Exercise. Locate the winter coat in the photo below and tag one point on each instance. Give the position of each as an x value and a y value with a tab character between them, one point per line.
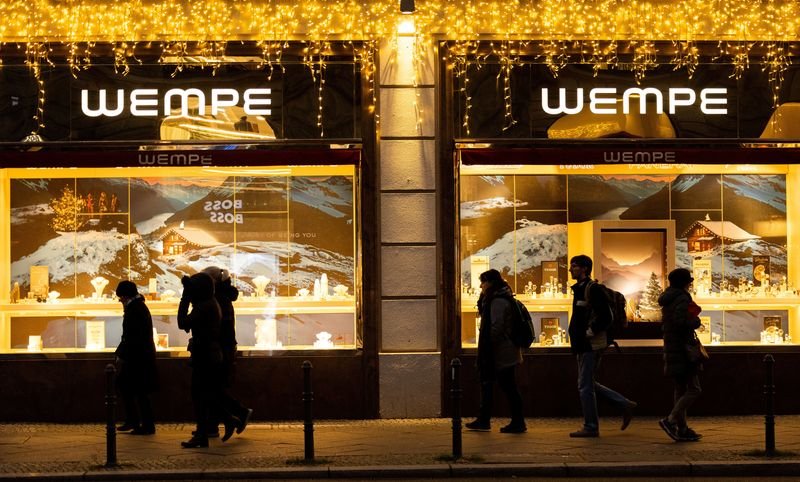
583	317
203	321
678	327
136	350
495	348
226	294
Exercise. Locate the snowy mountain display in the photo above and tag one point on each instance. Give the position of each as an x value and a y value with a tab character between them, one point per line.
292	234
535	242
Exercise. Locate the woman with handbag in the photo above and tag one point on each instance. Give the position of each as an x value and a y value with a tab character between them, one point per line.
679	317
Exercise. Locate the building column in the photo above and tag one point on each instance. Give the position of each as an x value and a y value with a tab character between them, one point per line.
410	366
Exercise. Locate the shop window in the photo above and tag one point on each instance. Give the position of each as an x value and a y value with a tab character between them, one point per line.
286	235
731	230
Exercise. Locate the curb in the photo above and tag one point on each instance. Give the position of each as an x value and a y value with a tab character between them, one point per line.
606	469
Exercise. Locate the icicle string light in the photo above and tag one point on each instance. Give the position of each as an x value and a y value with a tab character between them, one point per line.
599	28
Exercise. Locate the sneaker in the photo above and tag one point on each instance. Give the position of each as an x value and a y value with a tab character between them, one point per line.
688	435
627	415
243	420
126	427
584	433
670	428
478	426
514	428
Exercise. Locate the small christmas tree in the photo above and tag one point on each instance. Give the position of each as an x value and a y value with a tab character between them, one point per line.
66	209
649	301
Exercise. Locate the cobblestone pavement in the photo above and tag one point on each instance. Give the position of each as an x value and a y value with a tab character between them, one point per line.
53	448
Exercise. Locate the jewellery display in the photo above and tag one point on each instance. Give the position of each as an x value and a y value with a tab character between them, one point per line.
99	283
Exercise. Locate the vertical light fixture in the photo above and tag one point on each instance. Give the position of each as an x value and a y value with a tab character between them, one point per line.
407	7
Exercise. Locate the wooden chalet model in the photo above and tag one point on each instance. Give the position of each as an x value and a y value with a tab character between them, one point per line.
179	240
705	235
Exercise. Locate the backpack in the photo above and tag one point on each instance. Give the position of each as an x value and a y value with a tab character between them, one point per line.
522	333
616	304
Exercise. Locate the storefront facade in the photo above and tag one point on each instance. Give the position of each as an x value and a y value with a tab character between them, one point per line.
355	188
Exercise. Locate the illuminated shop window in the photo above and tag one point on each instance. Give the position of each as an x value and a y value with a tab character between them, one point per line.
731	230
286	235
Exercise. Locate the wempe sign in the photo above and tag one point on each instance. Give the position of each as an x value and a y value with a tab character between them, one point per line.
151	102
605	100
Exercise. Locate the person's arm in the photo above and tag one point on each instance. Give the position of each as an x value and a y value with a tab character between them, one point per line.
184	317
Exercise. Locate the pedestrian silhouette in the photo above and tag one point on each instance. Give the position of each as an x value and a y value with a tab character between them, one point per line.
225	294
591	317
136	360
498	357
203	321
679	319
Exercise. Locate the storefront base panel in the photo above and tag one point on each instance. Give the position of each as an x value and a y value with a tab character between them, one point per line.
73	390
732	383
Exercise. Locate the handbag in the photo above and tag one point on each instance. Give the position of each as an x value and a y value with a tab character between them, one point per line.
696	352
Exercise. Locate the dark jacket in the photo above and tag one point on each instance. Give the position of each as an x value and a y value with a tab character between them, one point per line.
495	348
203	321
136	350
583	316
226	294
678	329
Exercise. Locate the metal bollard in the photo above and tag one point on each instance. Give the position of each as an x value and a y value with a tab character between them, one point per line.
455	393
769	399
308	423
111	429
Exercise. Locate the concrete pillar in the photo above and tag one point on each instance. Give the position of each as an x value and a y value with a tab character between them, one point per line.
409	327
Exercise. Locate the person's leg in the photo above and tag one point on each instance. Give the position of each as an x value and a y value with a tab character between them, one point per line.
131	412
146	410
687	390
486	401
609	394
200	402
586	391
508	383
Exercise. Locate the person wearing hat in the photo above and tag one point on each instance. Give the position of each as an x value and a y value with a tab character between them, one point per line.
137	377
679	319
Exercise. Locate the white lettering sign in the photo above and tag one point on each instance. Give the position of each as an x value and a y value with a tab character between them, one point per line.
603	100
146	102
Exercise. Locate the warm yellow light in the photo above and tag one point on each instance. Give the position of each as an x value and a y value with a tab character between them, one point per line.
406	25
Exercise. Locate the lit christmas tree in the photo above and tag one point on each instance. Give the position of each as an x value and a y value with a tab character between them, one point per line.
648	304
65	209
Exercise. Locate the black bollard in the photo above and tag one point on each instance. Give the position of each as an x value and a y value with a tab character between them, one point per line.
308	423
111	429
769	399
455	392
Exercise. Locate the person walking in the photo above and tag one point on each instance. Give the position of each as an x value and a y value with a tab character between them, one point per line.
206	356
588	340
679	319
225	294
498	357
137	377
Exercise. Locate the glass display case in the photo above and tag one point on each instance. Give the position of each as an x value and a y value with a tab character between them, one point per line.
734	226
287	235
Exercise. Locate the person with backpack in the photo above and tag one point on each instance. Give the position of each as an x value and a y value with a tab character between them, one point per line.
679	319
498	356
591	318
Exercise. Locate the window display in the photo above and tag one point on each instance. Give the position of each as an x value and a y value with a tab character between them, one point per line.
286	234
730	225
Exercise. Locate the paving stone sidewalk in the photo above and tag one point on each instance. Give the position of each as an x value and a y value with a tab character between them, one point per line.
418	446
